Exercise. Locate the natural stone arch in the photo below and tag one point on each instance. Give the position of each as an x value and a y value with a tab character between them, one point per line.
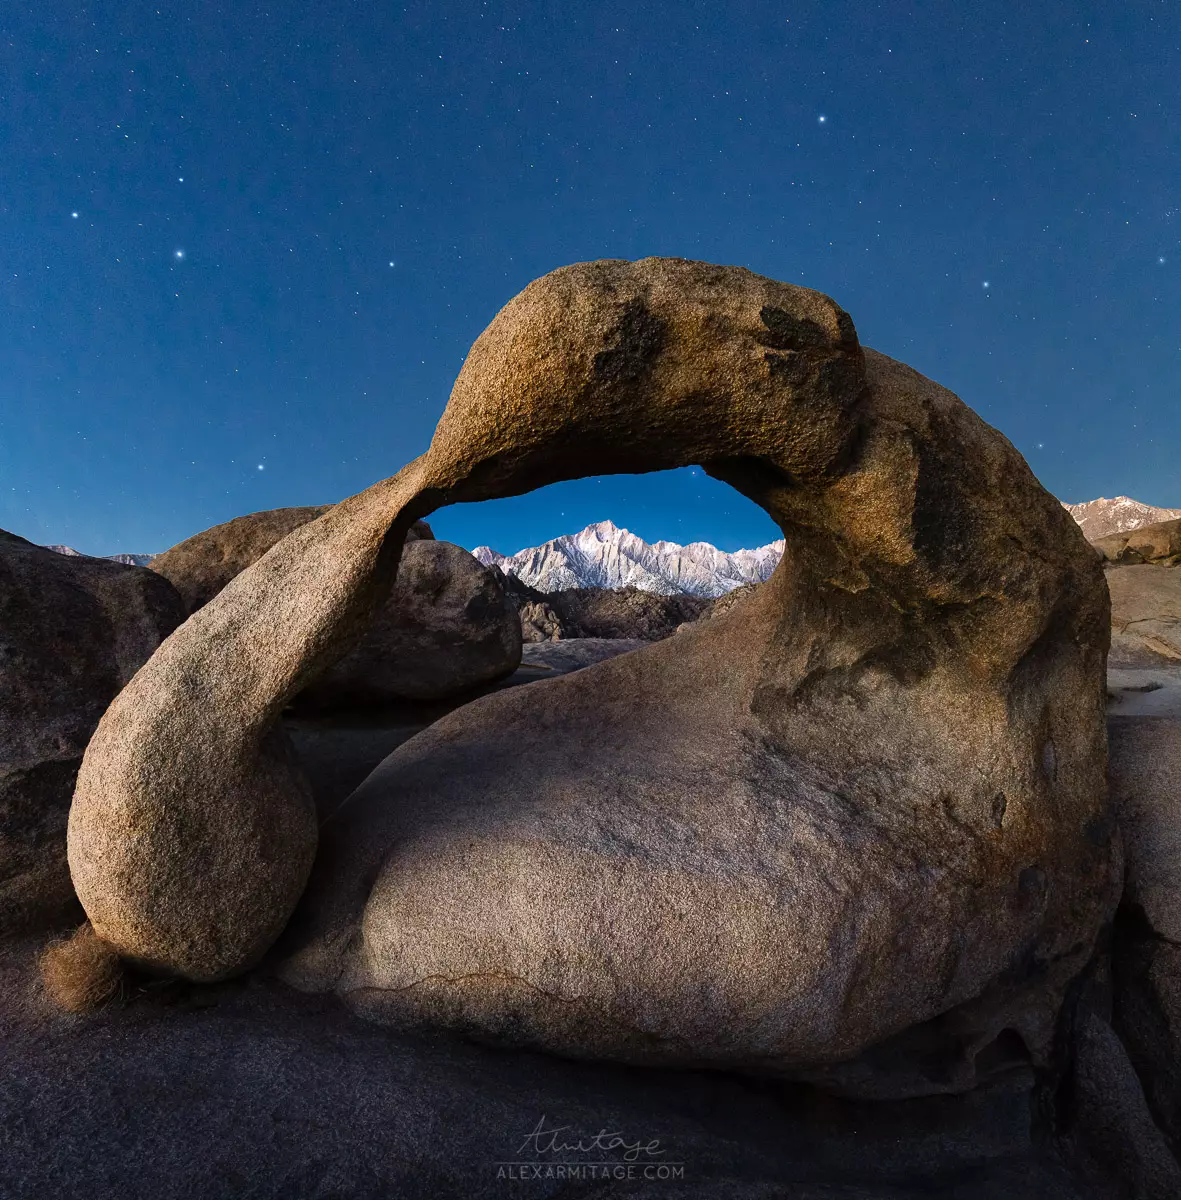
921	684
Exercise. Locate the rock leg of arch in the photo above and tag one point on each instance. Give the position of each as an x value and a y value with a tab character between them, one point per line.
863	815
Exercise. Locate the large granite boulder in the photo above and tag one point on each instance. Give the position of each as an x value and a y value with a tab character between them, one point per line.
200	566
1146	797
73	631
445	628
625	612
1159	544
1145	615
852	832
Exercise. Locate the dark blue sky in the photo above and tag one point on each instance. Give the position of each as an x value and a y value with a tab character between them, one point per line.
200	205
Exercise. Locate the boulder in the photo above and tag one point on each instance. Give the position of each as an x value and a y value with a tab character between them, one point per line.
1146	798
539	622
572	654
1159	544
445	628
200	566
73	631
852	832
624	612
1145	615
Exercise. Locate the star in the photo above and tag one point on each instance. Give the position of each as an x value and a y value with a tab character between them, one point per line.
261	467
1160	260
180	254
391	264
985	285
820	120
75	216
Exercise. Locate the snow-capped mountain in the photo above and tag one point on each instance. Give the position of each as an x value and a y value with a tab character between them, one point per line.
130	560
603	555
1101	517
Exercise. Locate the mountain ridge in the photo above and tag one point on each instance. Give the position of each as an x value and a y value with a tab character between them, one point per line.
604	555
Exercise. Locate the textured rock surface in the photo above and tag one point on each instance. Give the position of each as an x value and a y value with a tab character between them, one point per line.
73	630
1159	544
200	566
856	836
446	627
1145	615
623	612
1146	796
255	1091
539	622
572	654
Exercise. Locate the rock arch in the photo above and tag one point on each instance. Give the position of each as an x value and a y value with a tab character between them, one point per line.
872	803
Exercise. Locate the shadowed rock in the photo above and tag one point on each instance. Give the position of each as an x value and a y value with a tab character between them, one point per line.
1145	615
446	627
855	835
73	631
1159	544
200	566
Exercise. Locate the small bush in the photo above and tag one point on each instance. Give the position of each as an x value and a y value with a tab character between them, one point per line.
81	973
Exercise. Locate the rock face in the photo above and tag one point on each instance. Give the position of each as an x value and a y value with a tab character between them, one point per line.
605	556
445	627
72	632
623	612
1145	615
1146	796
200	566
851	832
1159	544
1101	518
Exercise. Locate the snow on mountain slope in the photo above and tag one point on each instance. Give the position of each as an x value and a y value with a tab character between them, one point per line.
129	560
603	555
1101	517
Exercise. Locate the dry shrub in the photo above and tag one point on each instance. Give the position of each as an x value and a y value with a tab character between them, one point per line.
81	972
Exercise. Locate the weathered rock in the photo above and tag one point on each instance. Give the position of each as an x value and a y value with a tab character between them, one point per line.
1113	1127
1159	544
1146	797
539	622
623	612
72	632
253	1090
200	566
1145	615
445	628
856	836
572	654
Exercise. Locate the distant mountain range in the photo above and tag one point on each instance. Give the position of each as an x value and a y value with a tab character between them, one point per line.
605	556
1098	518
130	560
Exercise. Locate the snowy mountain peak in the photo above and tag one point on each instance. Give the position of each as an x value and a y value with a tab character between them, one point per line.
1099	518
128	560
604	555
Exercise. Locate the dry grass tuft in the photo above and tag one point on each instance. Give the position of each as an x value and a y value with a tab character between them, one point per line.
81	972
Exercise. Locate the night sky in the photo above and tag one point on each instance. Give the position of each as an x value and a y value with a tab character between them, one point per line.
244	249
